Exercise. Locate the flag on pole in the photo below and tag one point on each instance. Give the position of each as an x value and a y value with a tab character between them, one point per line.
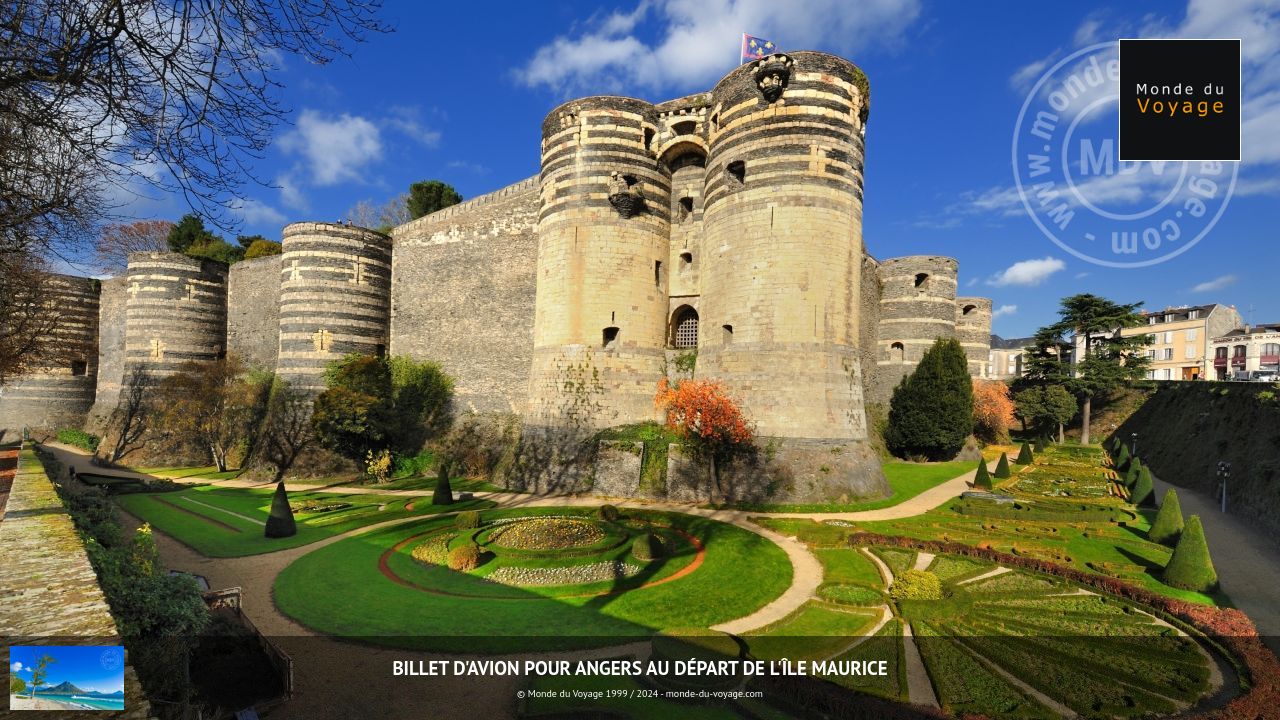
754	48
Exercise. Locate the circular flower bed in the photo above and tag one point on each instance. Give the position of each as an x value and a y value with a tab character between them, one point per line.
547	534
568	575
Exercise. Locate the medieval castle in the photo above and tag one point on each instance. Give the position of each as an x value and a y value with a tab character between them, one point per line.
727	223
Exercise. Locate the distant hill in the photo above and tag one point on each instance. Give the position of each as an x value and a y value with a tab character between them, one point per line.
62	688
95	693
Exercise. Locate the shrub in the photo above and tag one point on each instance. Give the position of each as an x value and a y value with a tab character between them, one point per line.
465	557
1002	467
262	248
608	513
467	520
1024	454
1042	443
1168	523
1122	458
982	480
1143	489
16	685
1131	476
1190	566
444	491
378	465
992	410
916	585
647	547
931	412
434	550
79	438
280	522
404	466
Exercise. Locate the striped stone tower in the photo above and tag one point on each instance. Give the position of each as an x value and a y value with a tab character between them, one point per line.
782	224
335	298
603	244
973	330
59	392
917	306
175	311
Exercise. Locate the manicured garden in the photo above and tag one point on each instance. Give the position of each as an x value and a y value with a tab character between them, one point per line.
906	479
995	641
1062	508
229	522
534	581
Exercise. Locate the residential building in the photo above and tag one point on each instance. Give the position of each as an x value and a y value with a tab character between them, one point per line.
1245	350
1179	339
1006	357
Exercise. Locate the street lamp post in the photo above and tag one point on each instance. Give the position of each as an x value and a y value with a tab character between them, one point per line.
1133	449
1224	474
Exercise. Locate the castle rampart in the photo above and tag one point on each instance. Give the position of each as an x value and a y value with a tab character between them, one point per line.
973	330
335	298
917	306
176	311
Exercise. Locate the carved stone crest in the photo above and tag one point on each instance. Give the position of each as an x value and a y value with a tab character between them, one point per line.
625	195
772	75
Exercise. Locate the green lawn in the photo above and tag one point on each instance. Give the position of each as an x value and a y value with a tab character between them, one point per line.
333	589
907	480
817	631
229	522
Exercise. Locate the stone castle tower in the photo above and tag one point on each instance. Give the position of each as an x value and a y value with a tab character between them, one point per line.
727	223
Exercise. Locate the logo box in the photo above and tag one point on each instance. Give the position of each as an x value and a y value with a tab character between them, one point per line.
1179	100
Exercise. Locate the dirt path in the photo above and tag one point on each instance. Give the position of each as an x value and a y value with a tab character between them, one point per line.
1245	558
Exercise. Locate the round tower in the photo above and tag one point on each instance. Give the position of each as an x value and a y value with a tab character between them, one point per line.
60	390
175	311
603	252
782	229
973	330
335	298
917	306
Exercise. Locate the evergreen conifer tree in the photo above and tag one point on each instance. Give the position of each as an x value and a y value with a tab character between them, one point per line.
931	412
443	494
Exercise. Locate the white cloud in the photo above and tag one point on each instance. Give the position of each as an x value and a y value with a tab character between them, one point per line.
408	120
1217	283
1081	275
470	167
1027	272
15	667
1004	310
291	192
335	149
256	212
698	40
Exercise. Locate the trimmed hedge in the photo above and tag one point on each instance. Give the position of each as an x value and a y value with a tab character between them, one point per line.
465	557
608	513
647	547
1024	455
1190	566
79	438
1143	489
443	494
1002	467
982	480
467	520
1167	526
280	522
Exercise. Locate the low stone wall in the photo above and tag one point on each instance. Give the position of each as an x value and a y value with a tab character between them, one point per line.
49	593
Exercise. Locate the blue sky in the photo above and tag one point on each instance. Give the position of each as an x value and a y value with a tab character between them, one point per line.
82	666
458	92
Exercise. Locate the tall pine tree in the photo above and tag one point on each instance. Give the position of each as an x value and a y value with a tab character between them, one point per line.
931	412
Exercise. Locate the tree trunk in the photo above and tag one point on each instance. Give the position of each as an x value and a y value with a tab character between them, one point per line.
1062	433
219	458
1024	425
1084	419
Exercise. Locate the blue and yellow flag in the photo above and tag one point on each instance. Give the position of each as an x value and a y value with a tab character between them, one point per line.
754	48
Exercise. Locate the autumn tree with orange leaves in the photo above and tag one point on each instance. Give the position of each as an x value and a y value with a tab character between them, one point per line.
707	418
992	410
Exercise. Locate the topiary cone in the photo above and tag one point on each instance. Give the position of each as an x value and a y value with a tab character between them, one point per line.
982	481
1167	526
444	492
1131	475
1190	567
1143	489
1122	459
1002	467
280	521
1024	454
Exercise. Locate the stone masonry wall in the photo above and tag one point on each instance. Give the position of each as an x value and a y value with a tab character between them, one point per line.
463	289
253	311
111	332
